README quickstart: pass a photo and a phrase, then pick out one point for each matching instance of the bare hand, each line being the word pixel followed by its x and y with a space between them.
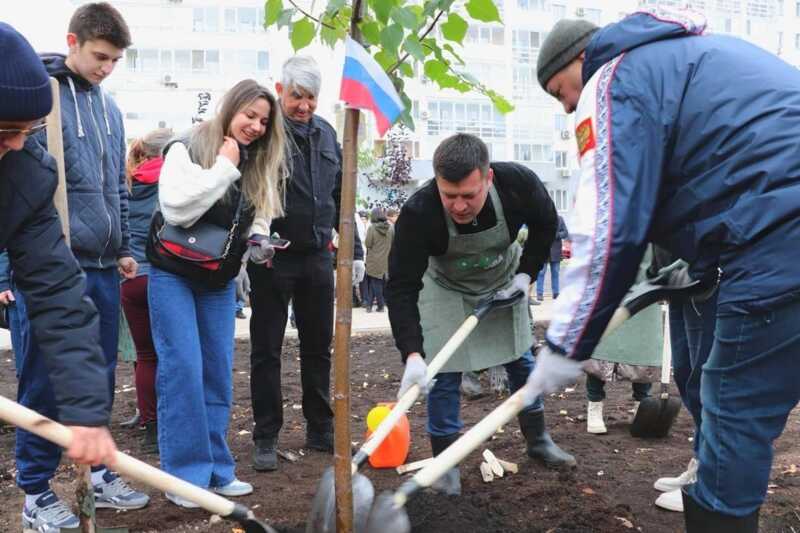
pixel 230 149
pixel 92 446
pixel 6 297
pixel 127 267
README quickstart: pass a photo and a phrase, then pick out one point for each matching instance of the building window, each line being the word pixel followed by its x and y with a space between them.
pixel 592 15
pixel 797 40
pixel 477 118
pixel 560 122
pixel 148 60
pixel 480 34
pixel 247 19
pixel 525 46
pixel 533 152
pixel 559 11
pixel 230 19
pixel 560 158
pixel 530 5
pixel 263 61
pixel 183 61
pixel 205 19
pixel 797 9
pixel 166 60
pixel 131 59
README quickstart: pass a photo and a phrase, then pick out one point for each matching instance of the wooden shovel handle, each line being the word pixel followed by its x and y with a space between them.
pixel 126 465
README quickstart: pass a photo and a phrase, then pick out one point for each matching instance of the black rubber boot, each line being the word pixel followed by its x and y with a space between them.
pixel 540 445
pixel 320 440
pixel 700 520
pixel 150 438
pixel 450 482
pixel 265 455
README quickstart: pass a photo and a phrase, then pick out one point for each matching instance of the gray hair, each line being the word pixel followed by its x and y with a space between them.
pixel 301 72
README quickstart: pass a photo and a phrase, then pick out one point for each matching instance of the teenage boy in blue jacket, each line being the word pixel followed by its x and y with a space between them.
pixel 62 318
pixel 94 157
pixel 690 141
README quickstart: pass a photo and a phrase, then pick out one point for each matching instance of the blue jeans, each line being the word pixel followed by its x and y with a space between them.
pixel 37 459
pixel 555 267
pixel 691 333
pixel 193 330
pixel 749 385
pixel 444 400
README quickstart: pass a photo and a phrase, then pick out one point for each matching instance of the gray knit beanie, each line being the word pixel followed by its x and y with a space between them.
pixel 566 41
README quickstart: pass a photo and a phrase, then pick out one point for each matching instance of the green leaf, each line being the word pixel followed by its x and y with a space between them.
pixel 406 70
pixel 405 116
pixel 404 16
pixel 470 78
pixel 302 33
pixel 382 8
pixel 500 102
pixel 483 10
pixel 413 47
pixel 391 37
pixel 435 69
pixel 454 54
pixel 371 32
pixel 455 28
pixel 334 6
pixel 285 18
pixel 330 36
pixel 417 10
pixel 385 59
pixel 272 12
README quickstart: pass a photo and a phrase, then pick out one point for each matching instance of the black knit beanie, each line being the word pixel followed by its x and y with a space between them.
pixel 566 41
pixel 24 84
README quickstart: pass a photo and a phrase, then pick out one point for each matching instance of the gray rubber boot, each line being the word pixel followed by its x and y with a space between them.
pixel 540 444
pixel 450 482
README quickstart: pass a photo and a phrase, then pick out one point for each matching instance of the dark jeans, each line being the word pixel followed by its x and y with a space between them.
pixel 137 312
pixel 596 389
pixel 37 458
pixel 374 292
pixel 691 328
pixel 444 400
pixel 749 385
pixel 306 279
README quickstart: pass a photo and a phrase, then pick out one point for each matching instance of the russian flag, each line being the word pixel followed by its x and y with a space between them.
pixel 365 85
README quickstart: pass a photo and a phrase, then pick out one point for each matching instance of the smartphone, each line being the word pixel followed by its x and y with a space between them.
pixel 278 244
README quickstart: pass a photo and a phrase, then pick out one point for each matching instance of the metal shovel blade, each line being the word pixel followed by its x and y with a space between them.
pixel 387 517
pixel 654 417
pixel 257 526
pixel 322 518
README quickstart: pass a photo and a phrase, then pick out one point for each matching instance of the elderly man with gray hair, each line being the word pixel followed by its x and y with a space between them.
pixel 302 273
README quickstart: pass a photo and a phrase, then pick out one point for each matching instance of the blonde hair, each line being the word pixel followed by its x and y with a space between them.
pixel 144 148
pixel 267 167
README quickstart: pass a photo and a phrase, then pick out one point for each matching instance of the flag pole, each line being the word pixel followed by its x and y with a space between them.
pixel 344 311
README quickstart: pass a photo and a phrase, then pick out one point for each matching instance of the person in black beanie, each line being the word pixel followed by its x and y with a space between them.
pixel 62 319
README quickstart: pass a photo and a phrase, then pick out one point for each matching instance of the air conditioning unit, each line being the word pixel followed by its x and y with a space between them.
pixel 168 81
pixel 565 134
pixel 579 12
pixel 424 115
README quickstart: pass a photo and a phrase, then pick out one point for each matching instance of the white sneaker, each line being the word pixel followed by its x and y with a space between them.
pixel 234 488
pixel 668 484
pixel 671 501
pixel 594 419
pixel 181 502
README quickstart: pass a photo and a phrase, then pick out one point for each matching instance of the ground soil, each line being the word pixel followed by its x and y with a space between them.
pixel 610 490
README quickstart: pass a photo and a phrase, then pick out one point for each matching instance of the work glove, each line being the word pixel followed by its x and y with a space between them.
pixel 520 282
pixel 359 271
pixel 242 284
pixel 415 373
pixel 551 373
pixel 678 275
pixel 261 251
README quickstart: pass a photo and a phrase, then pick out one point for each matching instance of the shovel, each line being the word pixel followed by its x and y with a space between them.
pixel 322 518
pixel 655 415
pixel 388 515
pixel 133 468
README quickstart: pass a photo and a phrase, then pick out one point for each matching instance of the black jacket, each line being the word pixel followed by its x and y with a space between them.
pixel 63 320
pixel 313 193
pixel 561 234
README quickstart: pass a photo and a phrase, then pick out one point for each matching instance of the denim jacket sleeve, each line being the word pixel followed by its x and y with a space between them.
pixel 5 272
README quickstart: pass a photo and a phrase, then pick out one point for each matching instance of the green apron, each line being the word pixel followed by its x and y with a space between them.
pixel 475 265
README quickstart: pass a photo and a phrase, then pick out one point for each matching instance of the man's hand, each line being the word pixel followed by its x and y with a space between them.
pixel 92 446
pixel 261 251
pixel 359 271
pixel 415 373
pixel 551 373
pixel 127 267
pixel 520 282
pixel 6 297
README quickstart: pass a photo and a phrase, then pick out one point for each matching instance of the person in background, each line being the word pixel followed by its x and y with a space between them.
pixel 143 170
pixel 97 197
pixel 378 243
pixel 554 261
pixel 303 273
pixel 360 289
pixel 51 304
pixel 225 174
pixel 391 215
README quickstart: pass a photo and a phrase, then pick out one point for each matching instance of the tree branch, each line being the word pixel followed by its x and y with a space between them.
pixel 421 37
pixel 308 15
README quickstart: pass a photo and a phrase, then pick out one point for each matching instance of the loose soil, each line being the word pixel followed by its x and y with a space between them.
pixel 610 490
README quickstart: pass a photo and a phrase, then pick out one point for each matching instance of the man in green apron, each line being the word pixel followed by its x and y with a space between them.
pixel 455 243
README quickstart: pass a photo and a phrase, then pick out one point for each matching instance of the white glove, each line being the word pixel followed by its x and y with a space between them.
pixel 359 271
pixel 263 251
pixel 415 373
pixel 242 283
pixel 520 282
pixel 551 373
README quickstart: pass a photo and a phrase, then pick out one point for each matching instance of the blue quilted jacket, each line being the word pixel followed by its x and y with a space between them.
pixel 94 157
